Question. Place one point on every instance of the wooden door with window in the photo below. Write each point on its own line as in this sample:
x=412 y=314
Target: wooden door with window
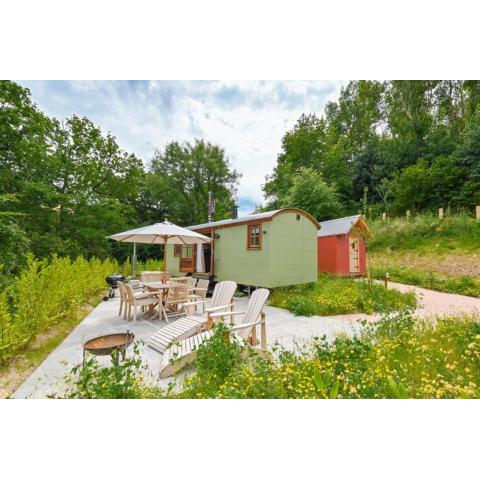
x=354 y=249
x=187 y=259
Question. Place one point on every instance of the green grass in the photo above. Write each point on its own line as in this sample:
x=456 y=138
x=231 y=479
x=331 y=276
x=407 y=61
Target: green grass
x=463 y=285
x=425 y=233
x=336 y=295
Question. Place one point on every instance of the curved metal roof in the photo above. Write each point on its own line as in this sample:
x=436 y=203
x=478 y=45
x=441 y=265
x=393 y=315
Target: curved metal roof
x=256 y=216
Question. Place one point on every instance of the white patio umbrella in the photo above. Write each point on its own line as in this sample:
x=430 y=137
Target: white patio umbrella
x=164 y=233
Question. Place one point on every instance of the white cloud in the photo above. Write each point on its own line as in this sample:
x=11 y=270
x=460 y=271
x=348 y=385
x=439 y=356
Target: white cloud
x=248 y=119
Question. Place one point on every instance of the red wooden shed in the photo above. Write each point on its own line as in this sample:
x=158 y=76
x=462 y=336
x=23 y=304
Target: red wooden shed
x=341 y=246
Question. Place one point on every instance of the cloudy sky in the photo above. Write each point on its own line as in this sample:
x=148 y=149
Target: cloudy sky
x=247 y=119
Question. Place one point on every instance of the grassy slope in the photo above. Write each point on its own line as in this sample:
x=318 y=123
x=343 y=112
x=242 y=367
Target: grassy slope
x=440 y=254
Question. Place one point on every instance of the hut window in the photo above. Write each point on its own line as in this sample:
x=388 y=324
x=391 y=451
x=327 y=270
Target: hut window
x=177 y=250
x=253 y=236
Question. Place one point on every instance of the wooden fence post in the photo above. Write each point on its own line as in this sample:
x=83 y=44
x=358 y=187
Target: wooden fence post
x=440 y=213
x=477 y=212
x=386 y=278
x=384 y=216
x=408 y=213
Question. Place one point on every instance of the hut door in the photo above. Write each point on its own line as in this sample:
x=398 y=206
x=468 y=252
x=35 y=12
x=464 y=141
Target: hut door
x=187 y=260
x=354 y=247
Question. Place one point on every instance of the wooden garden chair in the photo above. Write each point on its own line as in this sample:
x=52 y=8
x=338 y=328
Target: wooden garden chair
x=221 y=301
x=151 y=276
x=184 y=352
x=176 y=298
x=199 y=292
x=138 y=302
x=124 y=302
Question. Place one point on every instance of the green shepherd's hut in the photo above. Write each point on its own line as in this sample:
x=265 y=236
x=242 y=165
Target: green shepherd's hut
x=268 y=249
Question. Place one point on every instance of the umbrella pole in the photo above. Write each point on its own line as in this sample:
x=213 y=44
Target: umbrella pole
x=164 y=258
x=134 y=259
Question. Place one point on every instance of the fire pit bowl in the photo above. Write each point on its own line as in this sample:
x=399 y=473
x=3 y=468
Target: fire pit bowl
x=107 y=344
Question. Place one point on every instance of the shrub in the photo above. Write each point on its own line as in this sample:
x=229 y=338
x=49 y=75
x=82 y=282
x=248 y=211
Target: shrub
x=398 y=357
x=45 y=293
x=125 y=379
x=215 y=360
x=299 y=305
x=148 y=265
x=336 y=295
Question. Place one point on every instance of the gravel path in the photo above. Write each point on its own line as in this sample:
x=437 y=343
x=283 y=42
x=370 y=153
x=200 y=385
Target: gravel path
x=432 y=303
x=429 y=303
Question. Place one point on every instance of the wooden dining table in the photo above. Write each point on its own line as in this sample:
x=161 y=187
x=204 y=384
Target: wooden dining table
x=156 y=286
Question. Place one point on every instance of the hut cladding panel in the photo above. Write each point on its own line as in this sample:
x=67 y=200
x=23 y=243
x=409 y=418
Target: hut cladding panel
x=270 y=249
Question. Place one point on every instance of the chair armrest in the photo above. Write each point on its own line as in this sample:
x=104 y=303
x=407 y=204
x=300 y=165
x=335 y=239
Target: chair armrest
x=245 y=325
x=199 y=289
x=198 y=302
x=220 y=307
x=224 y=314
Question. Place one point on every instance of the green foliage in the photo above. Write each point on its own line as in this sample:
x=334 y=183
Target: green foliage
x=399 y=357
x=310 y=192
x=425 y=233
x=72 y=184
x=300 y=305
x=336 y=295
x=45 y=293
x=14 y=242
x=180 y=177
x=215 y=360
x=122 y=379
x=147 y=266
x=414 y=143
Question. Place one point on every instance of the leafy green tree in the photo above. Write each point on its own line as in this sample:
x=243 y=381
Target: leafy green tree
x=311 y=193
x=178 y=182
x=303 y=146
x=14 y=242
x=468 y=158
x=73 y=185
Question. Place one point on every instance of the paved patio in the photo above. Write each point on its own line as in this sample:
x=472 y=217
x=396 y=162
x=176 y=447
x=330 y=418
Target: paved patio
x=282 y=327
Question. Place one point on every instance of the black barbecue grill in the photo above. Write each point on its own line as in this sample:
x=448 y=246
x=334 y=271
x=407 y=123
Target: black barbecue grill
x=112 y=281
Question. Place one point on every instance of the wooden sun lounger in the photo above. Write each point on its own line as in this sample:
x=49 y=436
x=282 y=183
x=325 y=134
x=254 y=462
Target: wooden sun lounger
x=183 y=352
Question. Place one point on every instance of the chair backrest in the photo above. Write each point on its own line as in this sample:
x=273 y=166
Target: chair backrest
x=184 y=280
x=130 y=296
x=121 y=288
x=151 y=276
x=254 y=308
x=191 y=282
x=223 y=293
x=204 y=284
x=177 y=291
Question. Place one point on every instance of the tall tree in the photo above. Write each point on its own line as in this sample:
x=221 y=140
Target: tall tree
x=180 y=177
x=311 y=193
